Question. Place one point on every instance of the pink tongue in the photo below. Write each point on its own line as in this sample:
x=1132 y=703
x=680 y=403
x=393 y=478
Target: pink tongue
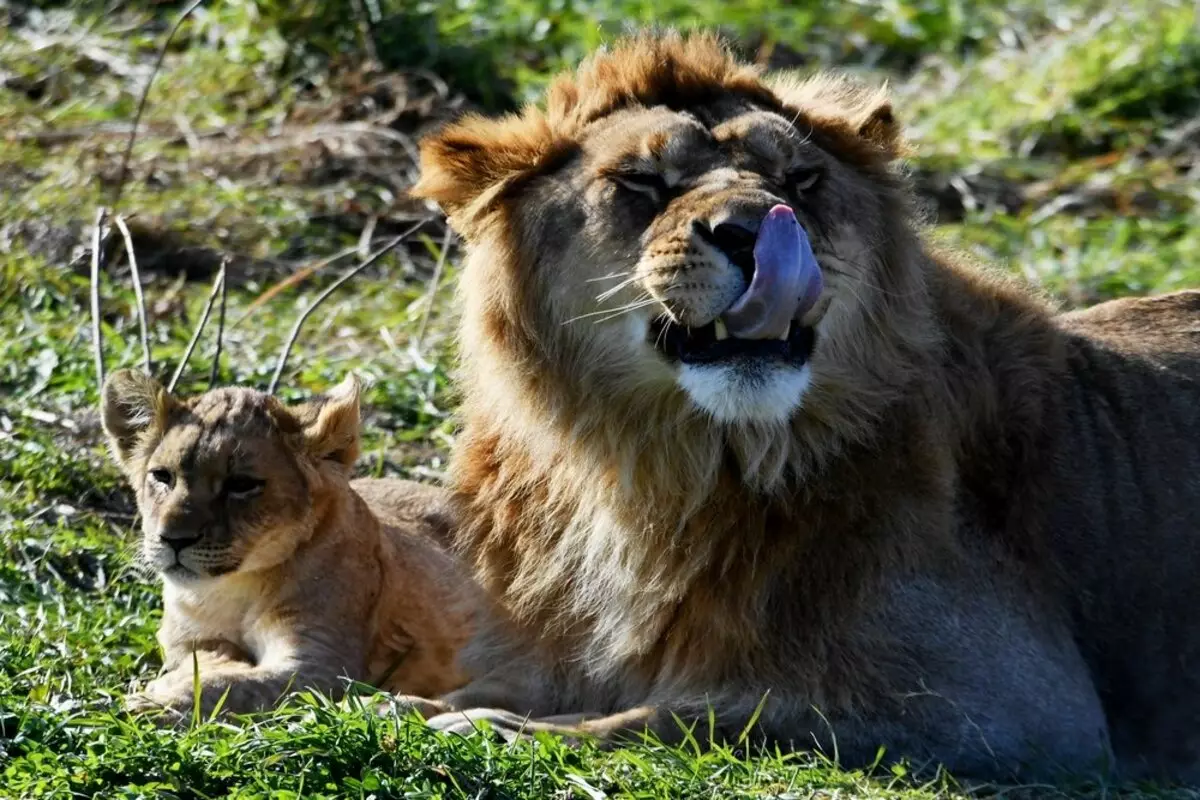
x=786 y=283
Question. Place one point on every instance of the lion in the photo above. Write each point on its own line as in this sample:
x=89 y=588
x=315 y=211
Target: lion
x=737 y=437
x=278 y=571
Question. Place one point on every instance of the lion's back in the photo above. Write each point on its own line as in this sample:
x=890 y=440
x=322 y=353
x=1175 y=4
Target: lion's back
x=1164 y=329
x=1125 y=528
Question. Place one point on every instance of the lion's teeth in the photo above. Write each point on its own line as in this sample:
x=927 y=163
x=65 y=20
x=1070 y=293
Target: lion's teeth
x=719 y=328
x=784 y=336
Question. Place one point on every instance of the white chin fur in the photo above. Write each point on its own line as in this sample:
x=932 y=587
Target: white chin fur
x=734 y=393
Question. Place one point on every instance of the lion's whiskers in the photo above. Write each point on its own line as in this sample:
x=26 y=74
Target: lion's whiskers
x=608 y=314
x=662 y=334
x=611 y=276
x=608 y=293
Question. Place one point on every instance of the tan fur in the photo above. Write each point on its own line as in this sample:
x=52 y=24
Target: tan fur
x=300 y=582
x=971 y=540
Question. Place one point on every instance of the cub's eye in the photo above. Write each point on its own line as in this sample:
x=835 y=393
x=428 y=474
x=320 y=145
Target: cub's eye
x=803 y=179
x=645 y=183
x=243 y=485
x=162 y=476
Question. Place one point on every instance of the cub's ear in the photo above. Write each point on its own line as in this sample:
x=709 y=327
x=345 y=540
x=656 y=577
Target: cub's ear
x=845 y=104
x=131 y=404
x=331 y=430
x=468 y=164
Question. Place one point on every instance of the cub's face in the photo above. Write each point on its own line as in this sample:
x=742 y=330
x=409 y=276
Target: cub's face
x=221 y=491
x=229 y=481
x=674 y=233
x=671 y=206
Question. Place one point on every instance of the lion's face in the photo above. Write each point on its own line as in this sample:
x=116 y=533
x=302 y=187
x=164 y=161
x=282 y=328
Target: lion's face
x=672 y=205
x=636 y=252
x=225 y=482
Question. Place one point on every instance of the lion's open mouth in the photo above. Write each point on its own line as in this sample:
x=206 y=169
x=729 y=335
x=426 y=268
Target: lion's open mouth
x=711 y=343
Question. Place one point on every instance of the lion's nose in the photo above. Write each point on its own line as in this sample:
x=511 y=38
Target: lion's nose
x=735 y=238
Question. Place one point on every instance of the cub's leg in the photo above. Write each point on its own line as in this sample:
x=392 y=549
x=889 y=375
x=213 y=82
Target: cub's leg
x=246 y=687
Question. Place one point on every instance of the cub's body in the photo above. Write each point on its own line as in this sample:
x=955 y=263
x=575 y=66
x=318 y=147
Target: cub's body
x=279 y=572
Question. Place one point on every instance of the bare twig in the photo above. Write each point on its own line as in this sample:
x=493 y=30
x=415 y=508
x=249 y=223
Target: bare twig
x=291 y=340
x=216 y=360
x=137 y=293
x=137 y=117
x=433 y=287
x=187 y=354
x=97 y=258
x=366 y=31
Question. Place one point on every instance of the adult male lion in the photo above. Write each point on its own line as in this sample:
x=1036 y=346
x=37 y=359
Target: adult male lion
x=912 y=509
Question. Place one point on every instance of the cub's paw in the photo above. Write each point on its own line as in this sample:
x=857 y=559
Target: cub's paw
x=165 y=713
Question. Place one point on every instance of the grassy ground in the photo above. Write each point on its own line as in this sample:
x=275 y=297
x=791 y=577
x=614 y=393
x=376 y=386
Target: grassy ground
x=1061 y=139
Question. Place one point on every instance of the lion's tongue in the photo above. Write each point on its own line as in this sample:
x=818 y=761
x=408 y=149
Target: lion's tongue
x=786 y=282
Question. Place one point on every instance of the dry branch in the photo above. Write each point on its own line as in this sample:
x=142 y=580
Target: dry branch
x=137 y=293
x=295 y=332
x=187 y=354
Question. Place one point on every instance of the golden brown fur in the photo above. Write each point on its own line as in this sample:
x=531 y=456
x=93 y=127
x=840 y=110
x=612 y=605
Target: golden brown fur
x=968 y=532
x=278 y=571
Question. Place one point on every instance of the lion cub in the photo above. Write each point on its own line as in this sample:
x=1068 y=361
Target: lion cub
x=277 y=573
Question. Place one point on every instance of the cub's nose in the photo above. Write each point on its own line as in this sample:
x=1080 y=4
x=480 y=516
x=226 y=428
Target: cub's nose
x=178 y=540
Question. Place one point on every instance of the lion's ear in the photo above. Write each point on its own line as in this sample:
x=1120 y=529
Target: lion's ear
x=131 y=404
x=331 y=429
x=843 y=103
x=879 y=126
x=468 y=164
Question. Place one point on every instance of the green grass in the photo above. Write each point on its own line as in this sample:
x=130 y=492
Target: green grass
x=1053 y=138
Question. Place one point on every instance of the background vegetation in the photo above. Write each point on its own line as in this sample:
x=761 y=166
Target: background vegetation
x=1060 y=138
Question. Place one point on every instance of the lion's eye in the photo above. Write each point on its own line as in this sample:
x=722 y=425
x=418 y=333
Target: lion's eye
x=162 y=476
x=645 y=183
x=243 y=485
x=803 y=179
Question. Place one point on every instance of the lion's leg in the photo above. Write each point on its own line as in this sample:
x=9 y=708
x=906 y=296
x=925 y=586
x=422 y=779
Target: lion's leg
x=984 y=678
x=960 y=680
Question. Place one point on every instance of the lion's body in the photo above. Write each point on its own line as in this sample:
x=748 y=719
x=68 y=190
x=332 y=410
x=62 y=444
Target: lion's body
x=959 y=527
x=309 y=579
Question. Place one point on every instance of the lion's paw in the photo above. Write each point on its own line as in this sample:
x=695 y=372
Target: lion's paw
x=384 y=705
x=507 y=725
